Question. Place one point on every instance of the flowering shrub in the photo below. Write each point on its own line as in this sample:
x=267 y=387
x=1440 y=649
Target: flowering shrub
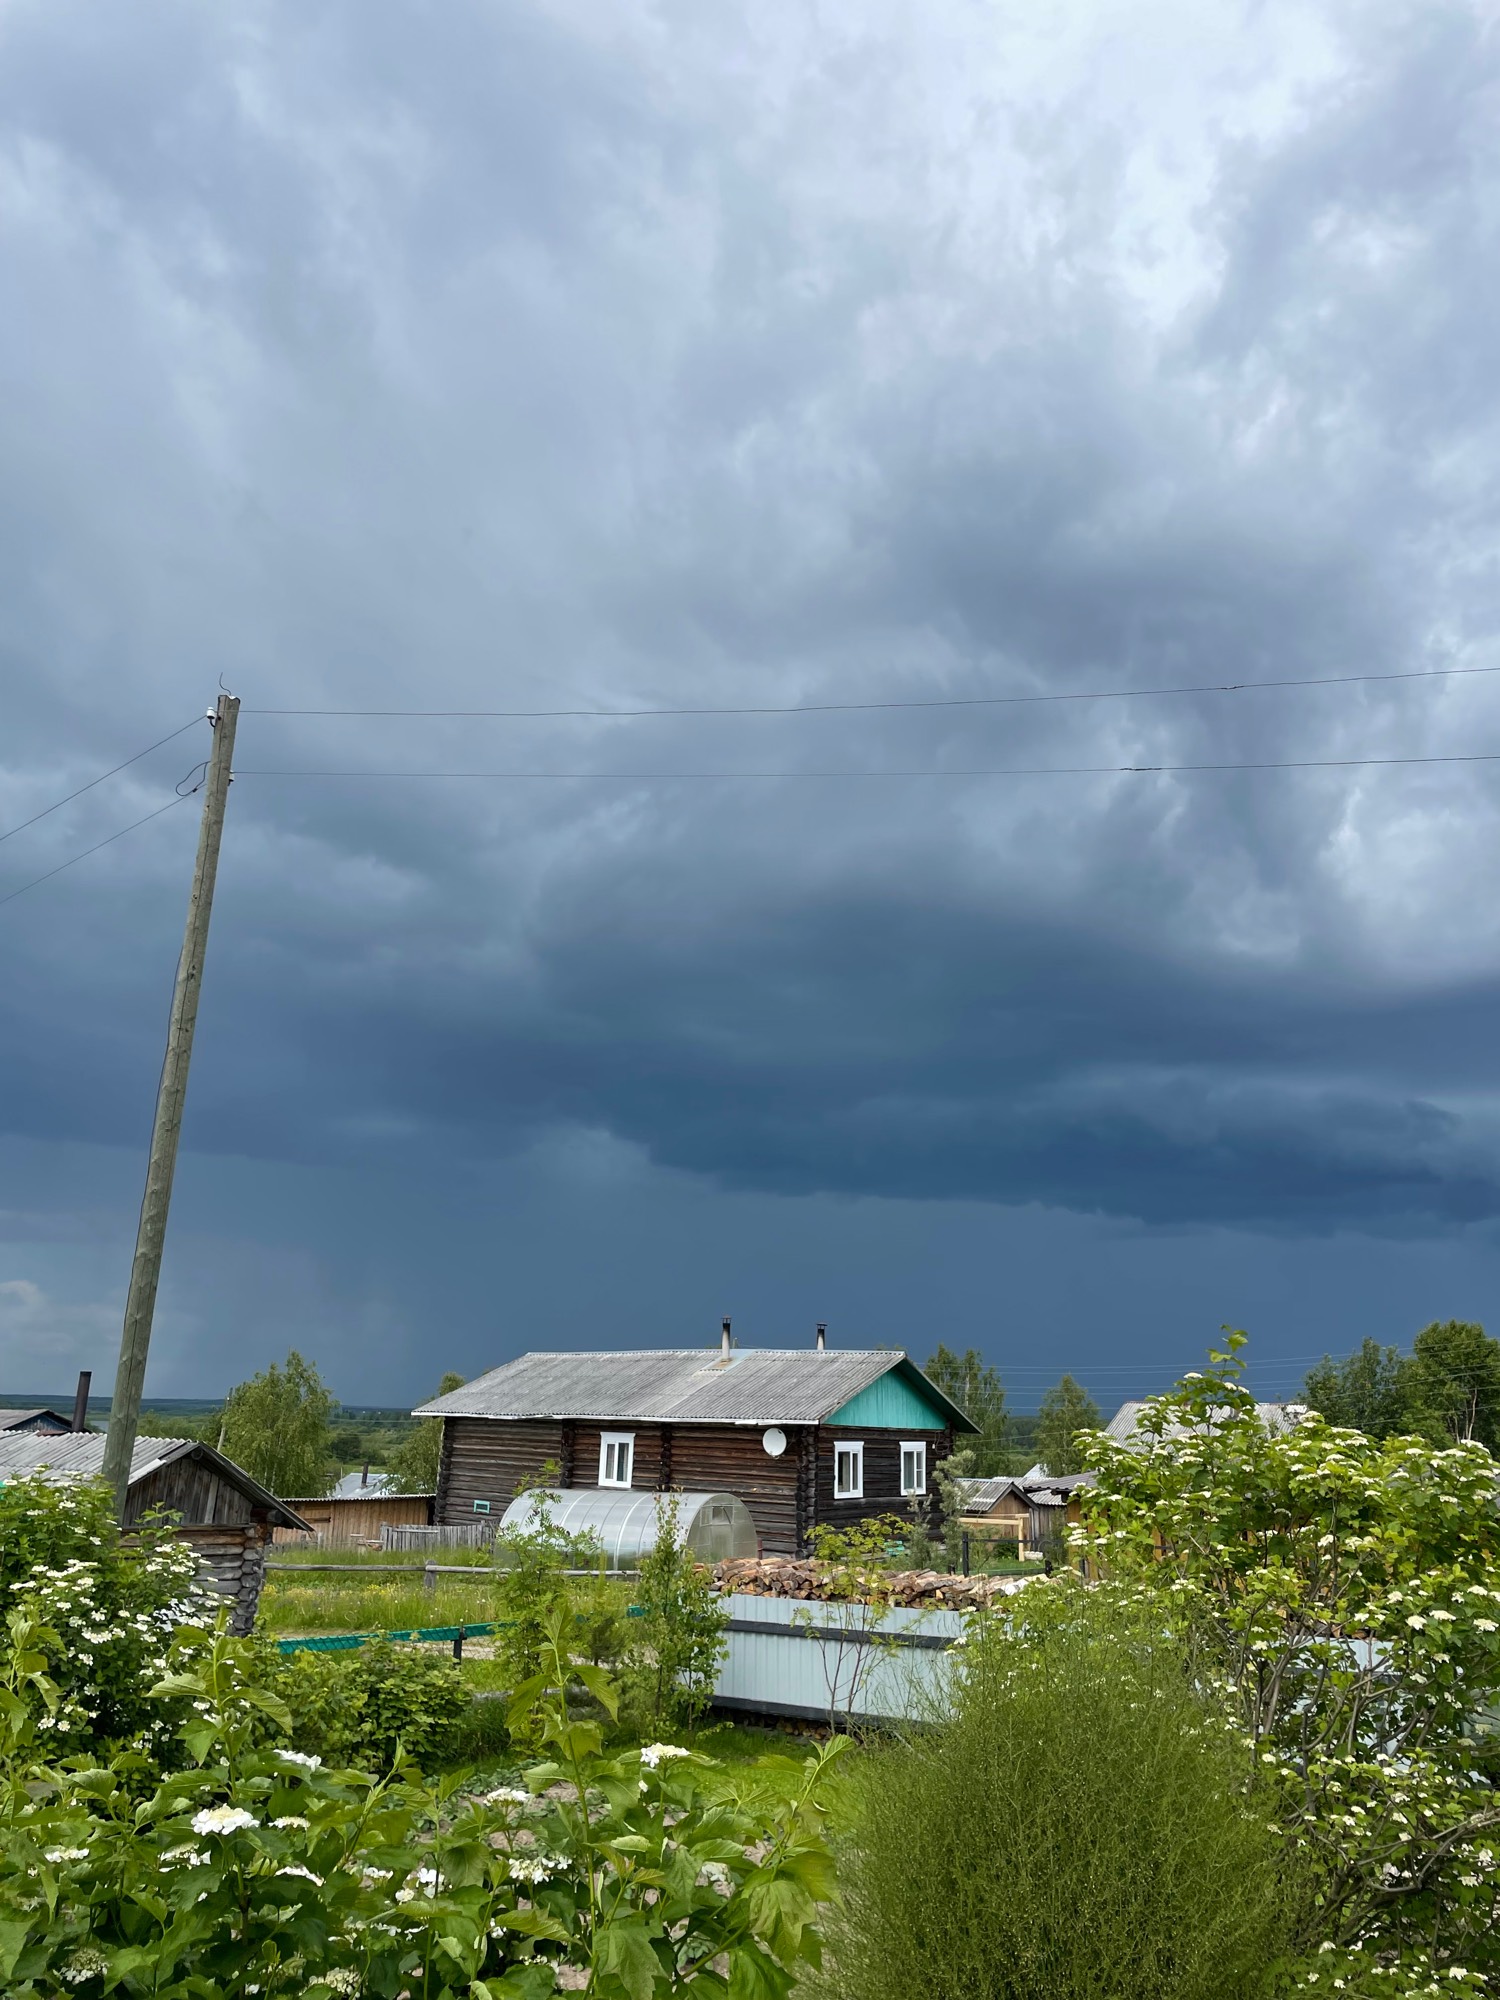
x=1345 y=1593
x=259 y=1870
x=108 y=1609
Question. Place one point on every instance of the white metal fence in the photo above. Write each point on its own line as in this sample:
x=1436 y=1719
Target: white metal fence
x=800 y=1657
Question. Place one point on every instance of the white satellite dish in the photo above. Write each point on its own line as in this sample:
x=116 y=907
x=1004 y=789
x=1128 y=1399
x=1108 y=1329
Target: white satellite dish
x=774 y=1442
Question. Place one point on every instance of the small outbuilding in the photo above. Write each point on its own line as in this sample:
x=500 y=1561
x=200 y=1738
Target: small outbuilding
x=226 y=1517
x=1034 y=1509
x=358 y=1508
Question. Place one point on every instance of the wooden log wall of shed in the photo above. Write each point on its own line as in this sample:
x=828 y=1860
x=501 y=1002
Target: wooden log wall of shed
x=485 y=1458
x=234 y=1561
x=882 y=1481
x=193 y=1491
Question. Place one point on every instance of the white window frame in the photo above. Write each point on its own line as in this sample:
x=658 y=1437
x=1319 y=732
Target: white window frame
x=919 y=1446
x=857 y=1490
x=617 y=1443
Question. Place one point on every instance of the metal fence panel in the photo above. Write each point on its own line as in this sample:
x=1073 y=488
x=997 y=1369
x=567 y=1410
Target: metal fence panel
x=800 y=1657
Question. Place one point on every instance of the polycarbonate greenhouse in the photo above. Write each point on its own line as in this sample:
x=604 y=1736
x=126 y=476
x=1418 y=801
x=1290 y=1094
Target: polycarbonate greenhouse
x=626 y=1525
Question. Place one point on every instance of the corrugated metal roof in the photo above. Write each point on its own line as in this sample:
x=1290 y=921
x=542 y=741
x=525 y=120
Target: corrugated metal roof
x=1278 y=1418
x=14 y=1420
x=977 y=1496
x=764 y=1385
x=80 y=1455
x=379 y=1486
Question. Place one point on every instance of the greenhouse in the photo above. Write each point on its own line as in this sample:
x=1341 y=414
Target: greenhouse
x=714 y=1526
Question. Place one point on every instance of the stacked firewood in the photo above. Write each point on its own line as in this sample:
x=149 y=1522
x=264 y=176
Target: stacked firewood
x=786 y=1576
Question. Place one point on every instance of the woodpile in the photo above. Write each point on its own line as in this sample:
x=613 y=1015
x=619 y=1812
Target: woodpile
x=916 y=1589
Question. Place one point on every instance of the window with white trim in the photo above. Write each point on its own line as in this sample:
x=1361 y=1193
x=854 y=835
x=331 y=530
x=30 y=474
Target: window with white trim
x=913 y=1467
x=616 y=1458
x=848 y=1472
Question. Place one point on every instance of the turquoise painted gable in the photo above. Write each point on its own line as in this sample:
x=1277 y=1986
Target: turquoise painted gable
x=892 y=1403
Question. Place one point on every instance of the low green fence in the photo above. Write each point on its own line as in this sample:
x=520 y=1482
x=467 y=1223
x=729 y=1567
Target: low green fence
x=345 y=1642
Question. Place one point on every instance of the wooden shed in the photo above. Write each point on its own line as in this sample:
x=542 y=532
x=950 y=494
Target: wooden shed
x=804 y=1436
x=1033 y=1509
x=353 y=1514
x=224 y=1515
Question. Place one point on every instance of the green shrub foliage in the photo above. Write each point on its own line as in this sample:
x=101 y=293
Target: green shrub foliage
x=262 y=1870
x=677 y=1644
x=1078 y=1830
x=373 y=1705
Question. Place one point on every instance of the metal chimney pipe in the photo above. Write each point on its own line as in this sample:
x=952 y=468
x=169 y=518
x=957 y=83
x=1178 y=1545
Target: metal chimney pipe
x=726 y=1340
x=81 y=1400
x=822 y=1338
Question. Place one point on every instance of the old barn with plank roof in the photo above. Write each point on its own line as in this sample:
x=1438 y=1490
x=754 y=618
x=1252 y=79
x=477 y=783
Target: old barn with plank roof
x=804 y=1436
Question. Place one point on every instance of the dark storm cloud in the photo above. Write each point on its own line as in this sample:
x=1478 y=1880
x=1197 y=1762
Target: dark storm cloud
x=506 y=357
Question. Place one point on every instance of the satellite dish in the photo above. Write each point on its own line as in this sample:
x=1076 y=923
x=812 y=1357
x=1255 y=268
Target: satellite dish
x=774 y=1442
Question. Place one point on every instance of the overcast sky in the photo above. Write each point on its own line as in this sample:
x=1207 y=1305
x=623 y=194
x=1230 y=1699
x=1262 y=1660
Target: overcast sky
x=381 y=356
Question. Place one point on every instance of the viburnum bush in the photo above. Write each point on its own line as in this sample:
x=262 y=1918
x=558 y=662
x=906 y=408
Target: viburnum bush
x=109 y=1609
x=1343 y=1594
x=257 y=1870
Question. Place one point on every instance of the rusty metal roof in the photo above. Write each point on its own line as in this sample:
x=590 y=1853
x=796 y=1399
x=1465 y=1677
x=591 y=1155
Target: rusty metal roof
x=765 y=1385
x=80 y=1455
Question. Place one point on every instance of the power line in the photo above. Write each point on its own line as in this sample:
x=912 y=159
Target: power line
x=96 y=781
x=1003 y=771
x=852 y=707
x=38 y=880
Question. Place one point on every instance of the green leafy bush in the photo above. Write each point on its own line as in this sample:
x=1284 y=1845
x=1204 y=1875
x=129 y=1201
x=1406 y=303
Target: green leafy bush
x=675 y=1646
x=1077 y=1828
x=262 y=1870
x=374 y=1704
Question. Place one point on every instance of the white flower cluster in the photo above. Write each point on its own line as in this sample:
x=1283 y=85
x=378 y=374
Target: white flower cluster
x=534 y=1868
x=223 y=1819
x=659 y=1753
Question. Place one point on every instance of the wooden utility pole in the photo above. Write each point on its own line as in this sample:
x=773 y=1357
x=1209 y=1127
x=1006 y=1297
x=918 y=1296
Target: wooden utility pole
x=145 y=1272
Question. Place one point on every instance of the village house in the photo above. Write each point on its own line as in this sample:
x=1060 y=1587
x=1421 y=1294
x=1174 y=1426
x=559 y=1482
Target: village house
x=806 y=1437
x=224 y=1515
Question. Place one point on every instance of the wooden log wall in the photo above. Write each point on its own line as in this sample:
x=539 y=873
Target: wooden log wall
x=486 y=1459
x=730 y=1458
x=882 y=1482
x=233 y=1560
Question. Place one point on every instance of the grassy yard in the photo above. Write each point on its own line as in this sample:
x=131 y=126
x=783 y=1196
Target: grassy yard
x=370 y=1601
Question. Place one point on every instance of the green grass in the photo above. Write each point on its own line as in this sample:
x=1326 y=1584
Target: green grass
x=350 y=1604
